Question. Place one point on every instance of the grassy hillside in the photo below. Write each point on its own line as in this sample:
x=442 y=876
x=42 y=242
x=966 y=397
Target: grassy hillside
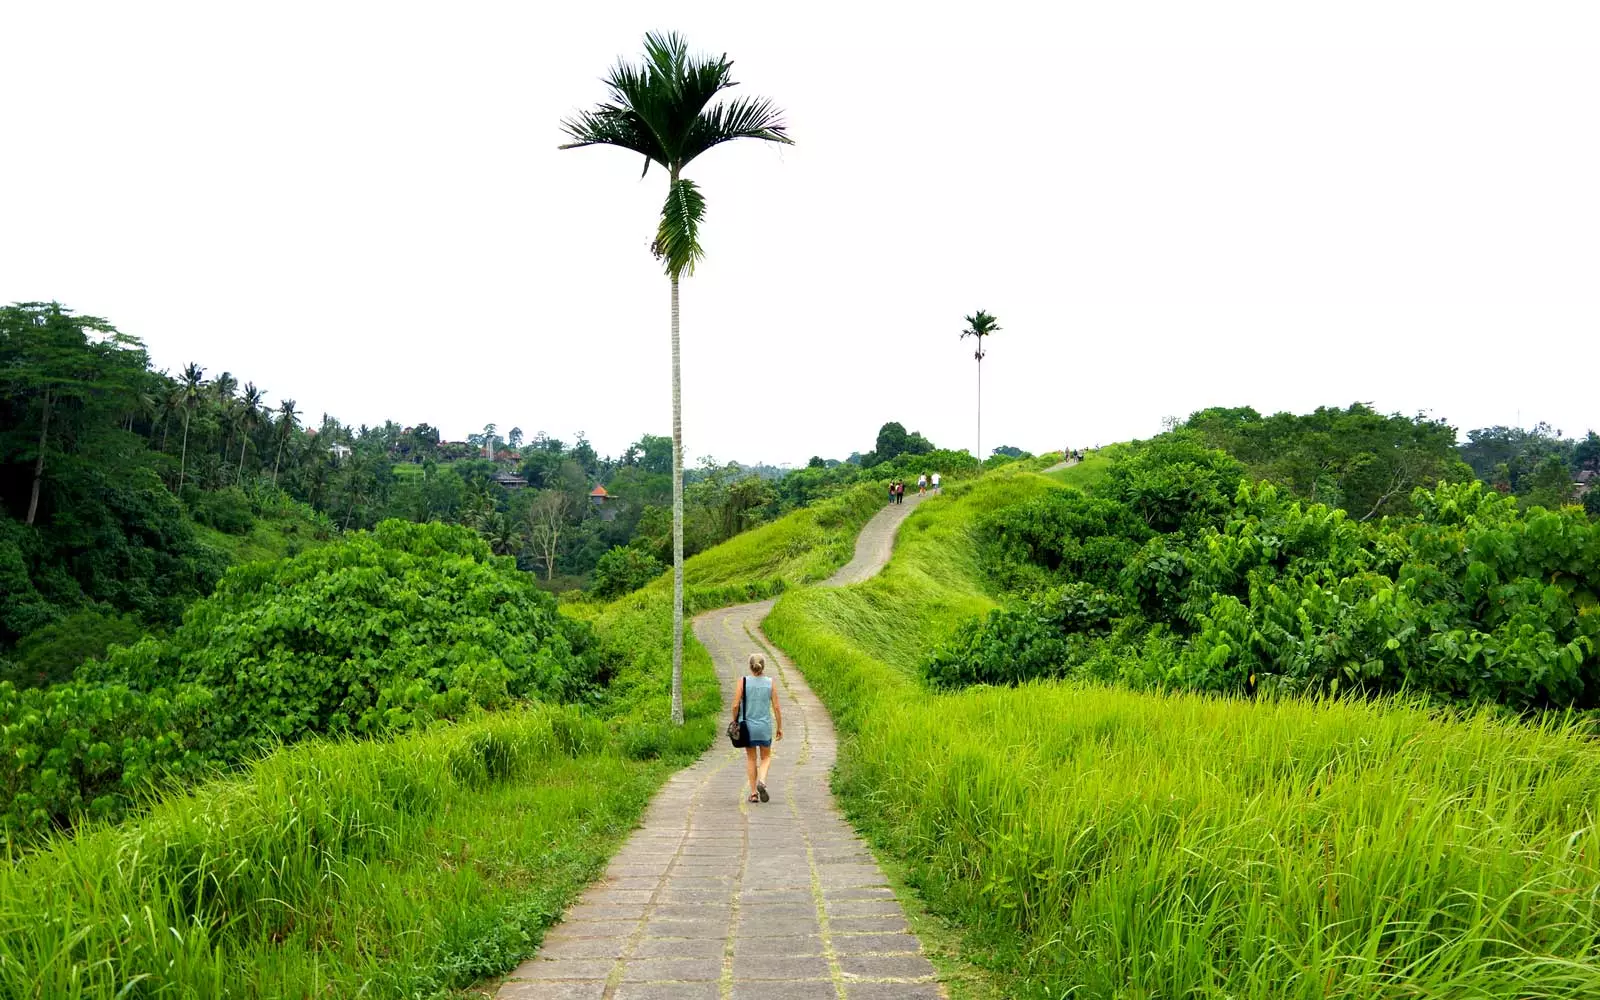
x=1086 y=473
x=1113 y=844
x=408 y=867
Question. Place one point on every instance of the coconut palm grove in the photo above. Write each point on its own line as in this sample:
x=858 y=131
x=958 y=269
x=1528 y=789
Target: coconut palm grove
x=1267 y=704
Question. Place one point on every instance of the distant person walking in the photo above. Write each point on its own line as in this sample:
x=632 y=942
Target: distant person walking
x=935 y=482
x=891 y=491
x=899 y=491
x=922 y=484
x=764 y=720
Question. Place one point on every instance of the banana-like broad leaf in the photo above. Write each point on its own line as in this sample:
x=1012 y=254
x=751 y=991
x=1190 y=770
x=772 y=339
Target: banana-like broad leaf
x=678 y=236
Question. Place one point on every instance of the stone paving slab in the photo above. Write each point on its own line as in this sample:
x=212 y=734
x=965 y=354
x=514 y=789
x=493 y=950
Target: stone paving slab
x=715 y=898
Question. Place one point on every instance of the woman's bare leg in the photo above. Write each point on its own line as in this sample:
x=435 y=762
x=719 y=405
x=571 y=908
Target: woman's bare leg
x=766 y=762
x=750 y=767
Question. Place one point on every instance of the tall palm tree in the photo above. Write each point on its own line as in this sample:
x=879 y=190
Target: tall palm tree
x=249 y=419
x=190 y=387
x=286 y=415
x=980 y=325
x=170 y=401
x=222 y=387
x=662 y=110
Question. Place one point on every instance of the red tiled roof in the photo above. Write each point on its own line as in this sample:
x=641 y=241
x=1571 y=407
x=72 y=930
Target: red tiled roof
x=599 y=491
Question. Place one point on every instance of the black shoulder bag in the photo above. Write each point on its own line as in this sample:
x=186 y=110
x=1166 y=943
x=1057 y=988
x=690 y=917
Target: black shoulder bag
x=738 y=732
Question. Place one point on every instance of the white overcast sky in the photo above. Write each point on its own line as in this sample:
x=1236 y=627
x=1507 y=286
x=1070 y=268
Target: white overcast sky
x=1169 y=206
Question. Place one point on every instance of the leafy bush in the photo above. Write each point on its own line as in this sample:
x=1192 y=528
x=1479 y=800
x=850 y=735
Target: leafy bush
x=227 y=510
x=85 y=750
x=623 y=570
x=1028 y=642
x=50 y=654
x=378 y=632
x=1470 y=600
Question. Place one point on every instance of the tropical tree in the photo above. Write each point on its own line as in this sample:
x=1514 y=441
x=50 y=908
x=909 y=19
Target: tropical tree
x=980 y=325
x=170 y=402
x=286 y=423
x=249 y=418
x=190 y=387
x=662 y=110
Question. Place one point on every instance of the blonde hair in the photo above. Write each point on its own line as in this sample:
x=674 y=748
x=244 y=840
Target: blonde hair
x=758 y=663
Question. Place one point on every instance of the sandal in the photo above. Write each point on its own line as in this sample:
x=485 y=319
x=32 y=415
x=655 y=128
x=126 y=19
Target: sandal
x=753 y=798
x=761 y=789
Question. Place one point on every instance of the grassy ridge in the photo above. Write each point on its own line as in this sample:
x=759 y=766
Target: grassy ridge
x=1115 y=844
x=410 y=867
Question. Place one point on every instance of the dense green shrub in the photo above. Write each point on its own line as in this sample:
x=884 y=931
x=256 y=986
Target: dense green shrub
x=408 y=622
x=623 y=570
x=1469 y=600
x=50 y=654
x=228 y=510
x=85 y=750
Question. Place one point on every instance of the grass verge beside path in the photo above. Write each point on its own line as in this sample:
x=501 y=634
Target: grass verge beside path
x=1094 y=842
x=404 y=868
x=407 y=867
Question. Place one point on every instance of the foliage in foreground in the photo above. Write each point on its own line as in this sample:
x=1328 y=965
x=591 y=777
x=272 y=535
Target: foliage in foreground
x=404 y=868
x=370 y=635
x=1178 y=572
x=1106 y=843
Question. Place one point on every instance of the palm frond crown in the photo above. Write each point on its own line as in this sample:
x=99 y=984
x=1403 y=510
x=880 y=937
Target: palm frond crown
x=663 y=110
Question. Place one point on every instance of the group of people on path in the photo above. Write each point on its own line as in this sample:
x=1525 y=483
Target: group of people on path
x=925 y=482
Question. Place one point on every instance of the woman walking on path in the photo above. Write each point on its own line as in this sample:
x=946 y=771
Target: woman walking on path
x=763 y=718
x=922 y=484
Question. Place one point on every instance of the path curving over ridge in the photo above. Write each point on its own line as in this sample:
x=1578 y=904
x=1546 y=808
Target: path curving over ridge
x=714 y=898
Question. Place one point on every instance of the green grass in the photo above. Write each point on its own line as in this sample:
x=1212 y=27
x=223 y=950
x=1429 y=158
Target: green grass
x=412 y=867
x=1085 y=474
x=275 y=534
x=1096 y=842
x=384 y=869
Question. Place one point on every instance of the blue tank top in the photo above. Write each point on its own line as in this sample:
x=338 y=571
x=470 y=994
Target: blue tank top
x=758 y=707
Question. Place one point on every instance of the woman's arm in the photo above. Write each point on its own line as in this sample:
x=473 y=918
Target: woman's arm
x=737 y=698
x=777 y=712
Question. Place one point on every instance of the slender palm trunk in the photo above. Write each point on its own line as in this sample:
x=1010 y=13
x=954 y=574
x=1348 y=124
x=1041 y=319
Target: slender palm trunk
x=677 y=516
x=243 y=441
x=281 y=441
x=980 y=406
x=183 y=461
x=44 y=431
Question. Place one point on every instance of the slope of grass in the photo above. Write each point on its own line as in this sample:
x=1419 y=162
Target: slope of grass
x=1104 y=843
x=382 y=869
x=1086 y=473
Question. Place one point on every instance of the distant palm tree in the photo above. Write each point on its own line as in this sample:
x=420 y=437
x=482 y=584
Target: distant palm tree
x=662 y=111
x=249 y=419
x=980 y=325
x=190 y=388
x=286 y=423
x=170 y=401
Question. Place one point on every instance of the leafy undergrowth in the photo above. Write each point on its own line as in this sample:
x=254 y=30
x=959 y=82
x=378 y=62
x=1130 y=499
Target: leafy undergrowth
x=1096 y=842
x=403 y=868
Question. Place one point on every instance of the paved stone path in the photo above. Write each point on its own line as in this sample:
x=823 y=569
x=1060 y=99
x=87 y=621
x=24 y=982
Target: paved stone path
x=715 y=898
x=1069 y=463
